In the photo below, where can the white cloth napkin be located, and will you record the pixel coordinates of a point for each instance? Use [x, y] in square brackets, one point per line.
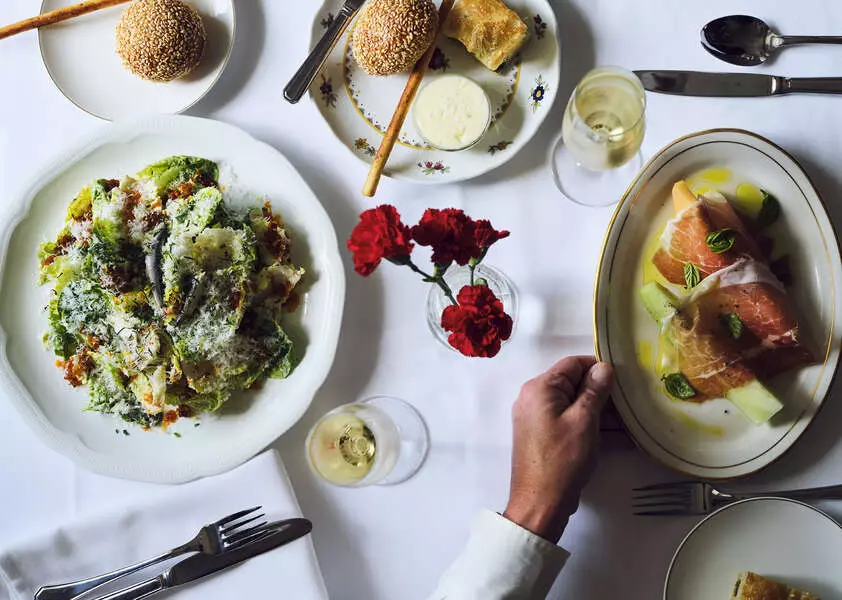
[96, 545]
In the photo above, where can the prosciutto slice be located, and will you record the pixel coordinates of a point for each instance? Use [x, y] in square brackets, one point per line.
[709, 354]
[683, 240]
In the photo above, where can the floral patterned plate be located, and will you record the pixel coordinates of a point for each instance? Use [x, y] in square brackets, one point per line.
[358, 107]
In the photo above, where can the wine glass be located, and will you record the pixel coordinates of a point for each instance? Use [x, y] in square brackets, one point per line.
[598, 152]
[378, 441]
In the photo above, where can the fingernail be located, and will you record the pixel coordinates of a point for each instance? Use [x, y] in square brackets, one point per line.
[602, 374]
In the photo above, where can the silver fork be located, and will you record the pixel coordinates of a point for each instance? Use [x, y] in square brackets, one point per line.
[227, 533]
[683, 498]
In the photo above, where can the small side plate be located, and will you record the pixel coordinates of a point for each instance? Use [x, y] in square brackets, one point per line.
[784, 540]
[80, 57]
[359, 107]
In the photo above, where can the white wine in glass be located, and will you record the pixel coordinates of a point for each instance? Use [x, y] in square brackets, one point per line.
[379, 441]
[599, 150]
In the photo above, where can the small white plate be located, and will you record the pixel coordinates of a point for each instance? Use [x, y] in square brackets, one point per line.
[359, 107]
[712, 439]
[250, 172]
[80, 57]
[783, 540]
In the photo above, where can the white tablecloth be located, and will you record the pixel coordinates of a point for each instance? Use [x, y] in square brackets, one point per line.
[390, 543]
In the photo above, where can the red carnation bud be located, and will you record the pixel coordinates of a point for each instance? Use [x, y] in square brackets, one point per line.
[479, 323]
[379, 234]
[486, 236]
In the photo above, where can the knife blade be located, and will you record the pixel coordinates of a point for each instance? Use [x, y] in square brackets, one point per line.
[202, 565]
[734, 85]
[300, 82]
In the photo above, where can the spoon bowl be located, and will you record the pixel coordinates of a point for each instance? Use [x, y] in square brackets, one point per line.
[739, 40]
[748, 41]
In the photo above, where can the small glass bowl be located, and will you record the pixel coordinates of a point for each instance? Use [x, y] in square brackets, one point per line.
[466, 147]
[458, 277]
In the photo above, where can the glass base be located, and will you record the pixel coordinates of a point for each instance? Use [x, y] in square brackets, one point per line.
[586, 187]
[457, 277]
[412, 437]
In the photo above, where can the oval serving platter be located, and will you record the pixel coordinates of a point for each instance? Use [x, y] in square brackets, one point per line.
[713, 440]
[358, 107]
[251, 172]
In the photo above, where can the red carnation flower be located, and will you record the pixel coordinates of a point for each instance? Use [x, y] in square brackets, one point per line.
[486, 236]
[450, 232]
[379, 234]
[479, 323]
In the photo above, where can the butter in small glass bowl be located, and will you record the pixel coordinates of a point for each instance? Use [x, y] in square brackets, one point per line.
[452, 113]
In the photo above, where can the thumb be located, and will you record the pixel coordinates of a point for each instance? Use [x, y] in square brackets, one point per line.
[595, 389]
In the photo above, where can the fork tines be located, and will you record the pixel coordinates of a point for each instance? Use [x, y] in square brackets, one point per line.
[678, 498]
[233, 532]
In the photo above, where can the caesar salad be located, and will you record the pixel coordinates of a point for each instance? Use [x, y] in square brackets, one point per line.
[165, 300]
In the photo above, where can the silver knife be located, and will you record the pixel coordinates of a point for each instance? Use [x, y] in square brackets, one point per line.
[305, 75]
[735, 85]
[202, 565]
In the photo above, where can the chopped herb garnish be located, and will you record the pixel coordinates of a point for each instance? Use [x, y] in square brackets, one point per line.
[678, 386]
[125, 432]
[196, 424]
[770, 210]
[692, 275]
[177, 434]
[721, 241]
[734, 325]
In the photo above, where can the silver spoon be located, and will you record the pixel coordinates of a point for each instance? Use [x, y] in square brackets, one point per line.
[748, 41]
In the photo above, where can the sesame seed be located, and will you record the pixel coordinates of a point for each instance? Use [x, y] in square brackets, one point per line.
[391, 35]
[160, 40]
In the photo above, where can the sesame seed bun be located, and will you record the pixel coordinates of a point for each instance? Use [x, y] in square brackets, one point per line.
[160, 40]
[391, 35]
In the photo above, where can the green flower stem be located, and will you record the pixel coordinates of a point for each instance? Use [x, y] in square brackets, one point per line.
[474, 263]
[437, 279]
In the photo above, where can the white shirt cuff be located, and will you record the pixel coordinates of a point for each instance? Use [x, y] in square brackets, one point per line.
[502, 561]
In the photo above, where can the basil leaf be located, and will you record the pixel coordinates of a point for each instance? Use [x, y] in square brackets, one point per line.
[692, 275]
[721, 241]
[734, 324]
[678, 386]
[770, 210]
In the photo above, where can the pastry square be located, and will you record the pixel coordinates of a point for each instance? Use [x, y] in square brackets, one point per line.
[751, 586]
[489, 29]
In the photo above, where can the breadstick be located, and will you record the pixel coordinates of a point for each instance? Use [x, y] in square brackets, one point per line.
[55, 16]
[392, 133]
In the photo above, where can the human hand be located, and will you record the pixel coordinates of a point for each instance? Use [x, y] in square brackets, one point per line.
[556, 438]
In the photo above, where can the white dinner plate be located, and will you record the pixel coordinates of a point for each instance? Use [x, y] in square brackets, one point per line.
[358, 107]
[784, 540]
[712, 439]
[250, 172]
[80, 57]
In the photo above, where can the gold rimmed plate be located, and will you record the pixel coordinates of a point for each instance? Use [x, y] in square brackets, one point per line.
[712, 439]
[358, 107]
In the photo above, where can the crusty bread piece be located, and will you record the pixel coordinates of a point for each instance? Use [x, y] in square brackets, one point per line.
[751, 586]
[490, 30]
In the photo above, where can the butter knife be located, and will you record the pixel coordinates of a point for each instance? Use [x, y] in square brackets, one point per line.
[305, 75]
[202, 565]
[735, 85]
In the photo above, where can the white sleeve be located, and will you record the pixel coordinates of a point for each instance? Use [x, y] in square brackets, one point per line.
[502, 561]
